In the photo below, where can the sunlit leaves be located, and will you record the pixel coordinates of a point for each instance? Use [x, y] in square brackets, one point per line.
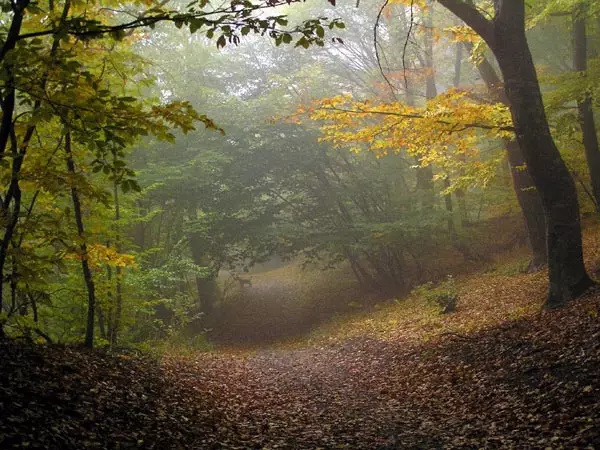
[99, 255]
[444, 132]
[463, 34]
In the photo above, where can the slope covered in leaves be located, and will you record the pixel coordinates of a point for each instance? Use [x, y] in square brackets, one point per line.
[478, 378]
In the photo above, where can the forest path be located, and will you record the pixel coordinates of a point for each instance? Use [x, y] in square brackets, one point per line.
[530, 383]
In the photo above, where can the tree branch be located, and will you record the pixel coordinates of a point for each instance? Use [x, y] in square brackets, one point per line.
[454, 125]
[472, 17]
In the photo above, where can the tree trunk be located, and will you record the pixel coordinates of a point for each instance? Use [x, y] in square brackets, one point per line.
[7, 104]
[584, 105]
[567, 275]
[460, 193]
[530, 204]
[527, 195]
[457, 65]
[101, 325]
[8, 217]
[425, 185]
[425, 174]
[505, 35]
[116, 328]
[87, 274]
[449, 208]
[206, 286]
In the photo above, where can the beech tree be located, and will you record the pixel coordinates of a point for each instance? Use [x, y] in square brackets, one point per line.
[505, 36]
[529, 199]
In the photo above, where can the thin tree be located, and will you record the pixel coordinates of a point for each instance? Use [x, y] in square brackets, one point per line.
[83, 250]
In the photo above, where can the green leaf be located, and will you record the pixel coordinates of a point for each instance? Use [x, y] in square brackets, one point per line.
[196, 24]
[302, 42]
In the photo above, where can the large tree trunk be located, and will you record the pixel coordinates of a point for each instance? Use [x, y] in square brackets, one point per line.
[584, 105]
[505, 35]
[567, 275]
[530, 204]
[528, 197]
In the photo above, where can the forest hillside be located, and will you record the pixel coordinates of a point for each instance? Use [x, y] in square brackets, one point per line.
[498, 373]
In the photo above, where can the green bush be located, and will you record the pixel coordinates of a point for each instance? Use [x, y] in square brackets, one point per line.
[445, 294]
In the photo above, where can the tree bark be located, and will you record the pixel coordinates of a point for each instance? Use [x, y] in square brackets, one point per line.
[531, 205]
[505, 35]
[206, 286]
[527, 195]
[584, 105]
[449, 209]
[101, 325]
[87, 274]
[116, 328]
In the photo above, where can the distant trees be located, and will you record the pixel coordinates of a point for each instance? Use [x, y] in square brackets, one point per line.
[64, 94]
[103, 173]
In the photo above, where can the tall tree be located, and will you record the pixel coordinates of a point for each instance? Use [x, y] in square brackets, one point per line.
[505, 35]
[584, 104]
[527, 196]
[83, 248]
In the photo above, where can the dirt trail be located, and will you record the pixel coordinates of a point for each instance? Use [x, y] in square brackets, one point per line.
[527, 384]
[532, 383]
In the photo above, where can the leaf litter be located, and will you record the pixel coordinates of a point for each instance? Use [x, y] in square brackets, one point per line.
[528, 381]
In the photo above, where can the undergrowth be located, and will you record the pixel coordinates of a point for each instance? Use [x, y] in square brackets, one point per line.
[483, 300]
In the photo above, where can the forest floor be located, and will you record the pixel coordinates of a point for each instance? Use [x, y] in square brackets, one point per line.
[498, 373]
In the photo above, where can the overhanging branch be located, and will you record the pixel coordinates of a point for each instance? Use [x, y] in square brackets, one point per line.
[454, 125]
[472, 17]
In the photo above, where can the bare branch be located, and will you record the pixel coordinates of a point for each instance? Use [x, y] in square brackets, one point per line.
[376, 44]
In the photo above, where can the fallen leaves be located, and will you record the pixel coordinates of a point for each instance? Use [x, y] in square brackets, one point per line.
[532, 383]
[497, 374]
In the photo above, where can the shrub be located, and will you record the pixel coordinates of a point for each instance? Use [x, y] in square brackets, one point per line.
[444, 294]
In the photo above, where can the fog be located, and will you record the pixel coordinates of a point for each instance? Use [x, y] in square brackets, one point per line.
[244, 178]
